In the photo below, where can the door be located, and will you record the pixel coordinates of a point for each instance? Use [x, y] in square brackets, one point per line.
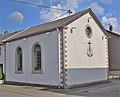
[1, 72]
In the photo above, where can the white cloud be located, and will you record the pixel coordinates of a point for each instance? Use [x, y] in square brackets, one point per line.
[71, 4]
[98, 9]
[16, 16]
[102, 1]
[112, 20]
[51, 14]
[47, 15]
[66, 4]
[107, 1]
[36, 2]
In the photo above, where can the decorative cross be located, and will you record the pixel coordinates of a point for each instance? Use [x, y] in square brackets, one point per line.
[89, 51]
[89, 43]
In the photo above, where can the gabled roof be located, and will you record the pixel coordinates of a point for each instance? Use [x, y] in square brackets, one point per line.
[5, 36]
[110, 32]
[50, 26]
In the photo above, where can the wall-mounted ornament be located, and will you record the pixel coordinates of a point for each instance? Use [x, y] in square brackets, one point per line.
[89, 49]
[72, 29]
[88, 31]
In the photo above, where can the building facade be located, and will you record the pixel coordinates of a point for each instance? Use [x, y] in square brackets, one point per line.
[65, 52]
[114, 54]
[2, 66]
[1, 62]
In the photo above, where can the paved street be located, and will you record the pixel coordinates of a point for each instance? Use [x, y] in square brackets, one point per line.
[9, 94]
[108, 89]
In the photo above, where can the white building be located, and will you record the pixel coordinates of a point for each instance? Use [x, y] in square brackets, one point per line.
[2, 69]
[65, 52]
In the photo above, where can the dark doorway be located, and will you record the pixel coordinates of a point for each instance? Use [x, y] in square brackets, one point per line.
[1, 72]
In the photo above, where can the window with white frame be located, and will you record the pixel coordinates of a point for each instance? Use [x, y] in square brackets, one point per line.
[36, 52]
[18, 60]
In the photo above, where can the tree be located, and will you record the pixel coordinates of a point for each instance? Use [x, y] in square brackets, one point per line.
[1, 34]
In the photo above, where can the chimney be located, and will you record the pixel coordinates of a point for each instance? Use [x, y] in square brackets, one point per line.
[110, 27]
[6, 32]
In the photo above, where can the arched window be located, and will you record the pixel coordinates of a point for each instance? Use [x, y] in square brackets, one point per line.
[37, 58]
[18, 61]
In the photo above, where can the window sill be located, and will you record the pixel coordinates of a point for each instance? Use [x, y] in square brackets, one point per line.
[18, 72]
[37, 72]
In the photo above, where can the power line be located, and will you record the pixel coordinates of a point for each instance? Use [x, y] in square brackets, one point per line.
[60, 16]
[39, 5]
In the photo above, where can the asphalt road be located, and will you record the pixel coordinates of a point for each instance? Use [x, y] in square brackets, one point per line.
[108, 91]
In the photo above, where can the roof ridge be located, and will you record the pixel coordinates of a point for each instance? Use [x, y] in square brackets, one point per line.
[86, 10]
[77, 15]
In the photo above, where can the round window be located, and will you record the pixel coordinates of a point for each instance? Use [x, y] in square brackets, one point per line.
[88, 32]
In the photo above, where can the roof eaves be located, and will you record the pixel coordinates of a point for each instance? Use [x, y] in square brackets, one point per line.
[7, 39]
[22, 37]
[1, 43]
[5, 36]
[113, 33]
[98, 23]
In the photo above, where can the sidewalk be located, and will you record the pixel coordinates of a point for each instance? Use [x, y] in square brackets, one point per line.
[27, 90]
[87, 87]
[45, 92]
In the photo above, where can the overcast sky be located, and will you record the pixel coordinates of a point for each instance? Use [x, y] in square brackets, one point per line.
[16, 16]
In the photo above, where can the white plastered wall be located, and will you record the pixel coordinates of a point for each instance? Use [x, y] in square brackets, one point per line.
[50, 60]
[2, 55]
[81, 68]
[2, 58]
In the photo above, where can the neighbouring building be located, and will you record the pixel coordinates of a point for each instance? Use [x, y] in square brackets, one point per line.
[114, 53]
[66, 52]
[2, 37]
